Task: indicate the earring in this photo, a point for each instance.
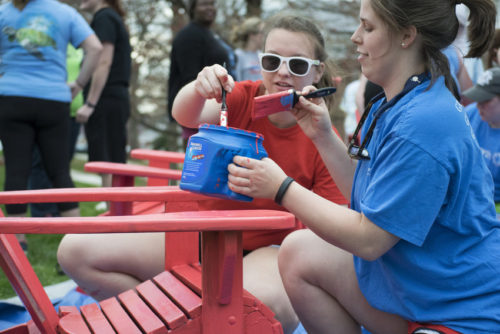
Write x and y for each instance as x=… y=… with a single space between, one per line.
x=403 y=44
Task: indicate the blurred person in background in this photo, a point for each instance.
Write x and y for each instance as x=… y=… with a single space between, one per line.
x=194 y=47
x=107 y=102
x=247 y=37
x=34 y=94
x=38 y=177
x=484 y=116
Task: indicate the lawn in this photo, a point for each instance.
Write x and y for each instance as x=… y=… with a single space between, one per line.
x=43 y=247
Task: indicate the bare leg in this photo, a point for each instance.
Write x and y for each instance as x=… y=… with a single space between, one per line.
x=104 y=265
x=262 y=279
x=322 y=285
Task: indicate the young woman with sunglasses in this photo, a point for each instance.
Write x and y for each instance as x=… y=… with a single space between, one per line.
x=114 y=263
x=418 y=251
x=293 y=57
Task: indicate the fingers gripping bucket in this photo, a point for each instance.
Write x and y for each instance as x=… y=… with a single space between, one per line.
x=208 y=154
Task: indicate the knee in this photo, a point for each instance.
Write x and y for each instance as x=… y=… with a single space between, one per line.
x=71 y=253
x=293 y=253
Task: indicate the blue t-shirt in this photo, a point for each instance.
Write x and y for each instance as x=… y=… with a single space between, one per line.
x=33 y=46
x=427 y=183
x=489 y=141
x=247 y=65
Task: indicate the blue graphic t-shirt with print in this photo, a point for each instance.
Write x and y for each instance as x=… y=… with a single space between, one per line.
x=33 y=46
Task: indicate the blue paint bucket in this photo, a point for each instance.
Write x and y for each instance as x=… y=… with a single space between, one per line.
x=208 y=154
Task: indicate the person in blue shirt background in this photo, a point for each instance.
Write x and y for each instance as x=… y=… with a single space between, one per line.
x=484 y=118
x=34 y=94
x=418 y=251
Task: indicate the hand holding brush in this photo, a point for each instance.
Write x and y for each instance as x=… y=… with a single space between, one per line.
x=284 y=101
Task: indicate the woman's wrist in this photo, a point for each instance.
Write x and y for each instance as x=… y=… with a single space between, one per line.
x=283 y=189
x=79 y=84
x=324 y=138
x=89 y=104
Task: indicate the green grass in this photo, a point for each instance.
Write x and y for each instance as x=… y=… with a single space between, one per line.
x=43 y=247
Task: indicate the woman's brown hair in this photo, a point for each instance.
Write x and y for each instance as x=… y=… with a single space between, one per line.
x=490 y=56
x=117 y=6
x=437 y=24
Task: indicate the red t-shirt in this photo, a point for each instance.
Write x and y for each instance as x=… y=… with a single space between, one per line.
x=290 y=148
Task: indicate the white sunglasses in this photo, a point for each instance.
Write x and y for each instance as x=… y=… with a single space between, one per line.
x=299 y=66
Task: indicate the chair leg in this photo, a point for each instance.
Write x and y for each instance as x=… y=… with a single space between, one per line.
x=26 y=283
x=222 y=283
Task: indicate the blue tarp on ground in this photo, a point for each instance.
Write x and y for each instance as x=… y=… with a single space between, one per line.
x=12 y=314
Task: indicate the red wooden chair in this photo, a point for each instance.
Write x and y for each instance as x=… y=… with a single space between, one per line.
x=186 y=298
x=159 y=172
x=159 y=159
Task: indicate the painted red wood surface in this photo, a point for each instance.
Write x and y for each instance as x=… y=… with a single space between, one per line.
x=225 y=307
x=158 y=161
x=163 y=306
x=26 y=284
x=72 y=324
x=157 y=156
x=161 y=159
x=118 y=317
x=187 y=300
x=95 y=319
x=65 y=309
x=143 y=316
x=189 y=274
x=229 y=313
x=135 y=194
x=229 y=220
x=132 y=170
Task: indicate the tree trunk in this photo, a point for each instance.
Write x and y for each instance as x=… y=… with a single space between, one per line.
x=254 y=8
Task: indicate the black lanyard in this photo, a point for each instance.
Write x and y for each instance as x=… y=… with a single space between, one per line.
x=359 y=152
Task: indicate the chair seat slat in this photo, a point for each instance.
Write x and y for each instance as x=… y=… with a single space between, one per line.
x=143 y=316
x=187 y=300
x=96 y=319
x=161 y=304
x=118 y=317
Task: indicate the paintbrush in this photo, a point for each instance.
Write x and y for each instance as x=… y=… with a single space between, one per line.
x=283 y=101
x=223 y=107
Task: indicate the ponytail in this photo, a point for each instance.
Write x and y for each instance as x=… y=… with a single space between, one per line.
x=481 y=28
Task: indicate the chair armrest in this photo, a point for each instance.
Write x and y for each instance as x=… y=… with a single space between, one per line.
x=216 y=220
x=123 y=174
x=160 y=159
x=155 y=156
x=132 y=170
x=118 y=194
